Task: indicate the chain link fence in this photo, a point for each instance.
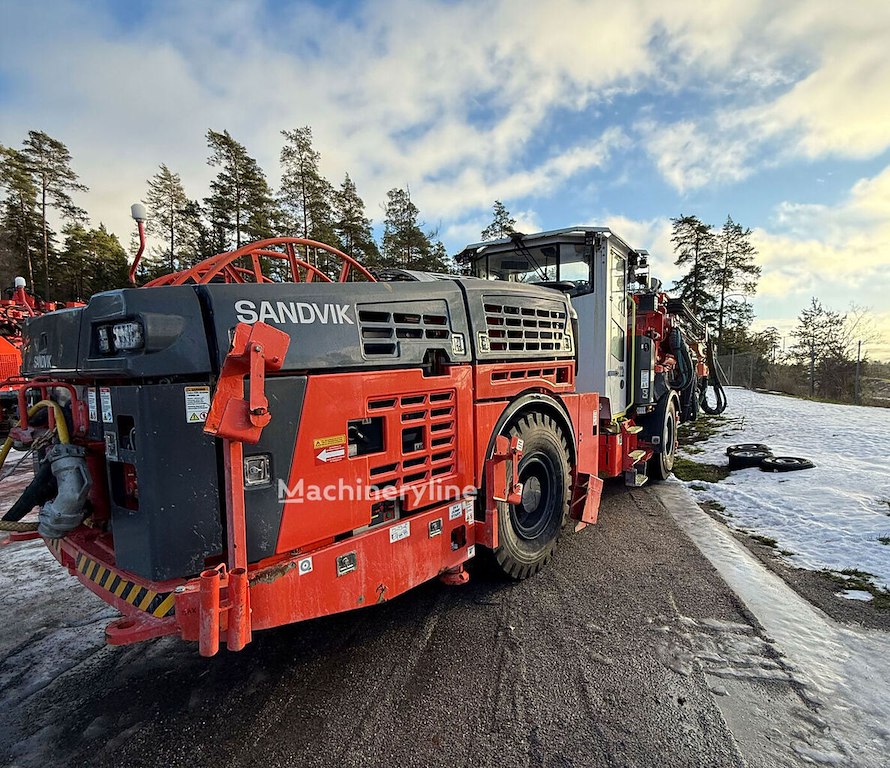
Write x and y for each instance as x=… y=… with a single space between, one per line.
x=750 y=370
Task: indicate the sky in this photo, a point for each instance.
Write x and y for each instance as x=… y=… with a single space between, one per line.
x=616 y=113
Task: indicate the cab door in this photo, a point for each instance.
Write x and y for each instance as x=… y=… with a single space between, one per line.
x=617 y=366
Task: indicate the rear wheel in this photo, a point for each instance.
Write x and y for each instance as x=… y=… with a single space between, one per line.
x=660 y=465
x=528 y=531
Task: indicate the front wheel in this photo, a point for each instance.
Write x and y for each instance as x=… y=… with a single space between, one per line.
x=528 y=531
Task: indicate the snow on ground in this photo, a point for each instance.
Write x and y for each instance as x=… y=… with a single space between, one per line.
x=833 y=516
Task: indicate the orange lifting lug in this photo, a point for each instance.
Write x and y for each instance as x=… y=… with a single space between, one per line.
x=498 y=488
x=256 y=350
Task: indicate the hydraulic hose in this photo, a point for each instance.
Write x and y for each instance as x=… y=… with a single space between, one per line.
x=714 y=381
x=684 y=360
x=9 y=521
x=686 y=387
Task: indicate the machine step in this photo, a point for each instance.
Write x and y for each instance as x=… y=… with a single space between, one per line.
x=634 y=479
x=636 y=455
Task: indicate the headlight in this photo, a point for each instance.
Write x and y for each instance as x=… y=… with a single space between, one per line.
x=128 y=335
x=104 y=340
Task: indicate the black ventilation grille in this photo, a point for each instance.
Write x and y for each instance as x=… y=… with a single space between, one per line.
x=517 y=328
x=382 y=328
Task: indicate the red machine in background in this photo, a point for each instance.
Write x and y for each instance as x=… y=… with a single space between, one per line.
x=18 y=305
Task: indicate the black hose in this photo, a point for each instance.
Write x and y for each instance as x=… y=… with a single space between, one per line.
x=686 y=367
x=684 y=359
x=39 y=491
x=714 y=381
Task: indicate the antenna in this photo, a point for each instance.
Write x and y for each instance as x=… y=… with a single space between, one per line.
x=137 y=211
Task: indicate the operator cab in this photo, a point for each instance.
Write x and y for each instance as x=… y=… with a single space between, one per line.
x=598 y=270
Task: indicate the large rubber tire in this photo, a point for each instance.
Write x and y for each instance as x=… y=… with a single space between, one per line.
x=528 y=532
x=747 y=459
x=785 y=464
x=659 y=467
x=731 y=449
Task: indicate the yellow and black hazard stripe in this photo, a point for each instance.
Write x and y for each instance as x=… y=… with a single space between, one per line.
x=56 y=546
x=158 y=604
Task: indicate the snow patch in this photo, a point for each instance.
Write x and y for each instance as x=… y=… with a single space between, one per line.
x=832 y=516
x=855 y=594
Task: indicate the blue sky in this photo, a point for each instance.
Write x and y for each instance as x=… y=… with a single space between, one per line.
x=611 y=113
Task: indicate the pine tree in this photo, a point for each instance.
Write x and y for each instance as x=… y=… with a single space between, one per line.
x=405 y=245
x=440 y=261
x=822 y=350
x=501 y=224
x=735 y=275
x=241 y=205
x=92 y=261
x=171 y=220
x=202 y=245
x=20 y=223
x=49 y=163
x=352 y=227
x=696 y=248
x=307 y=197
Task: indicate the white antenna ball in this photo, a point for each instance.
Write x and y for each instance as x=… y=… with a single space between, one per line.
x=20 y=282
x=137 y=211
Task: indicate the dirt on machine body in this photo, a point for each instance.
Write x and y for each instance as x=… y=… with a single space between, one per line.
x=266 y=438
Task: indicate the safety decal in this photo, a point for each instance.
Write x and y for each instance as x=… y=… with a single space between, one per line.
x=304 y=566
x=159 y=604
x=91 y=404
x=105 y=402
x=326 y=442
x=329 y=449
x=197 y=404
x=455 y=511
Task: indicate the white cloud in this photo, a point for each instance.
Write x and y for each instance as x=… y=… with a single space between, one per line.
x=690 y=158
x=839 y=254
x=459 y=100
x=819 y=90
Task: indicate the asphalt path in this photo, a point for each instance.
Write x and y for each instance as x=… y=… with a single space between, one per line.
x=596 y=661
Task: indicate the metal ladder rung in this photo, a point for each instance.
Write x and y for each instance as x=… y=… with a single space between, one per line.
x=636 y=455
x=635 y=429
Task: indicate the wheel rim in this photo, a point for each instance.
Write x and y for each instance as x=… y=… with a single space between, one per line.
x=532 y=515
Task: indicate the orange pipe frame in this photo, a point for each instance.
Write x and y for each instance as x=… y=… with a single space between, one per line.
x=225 y=264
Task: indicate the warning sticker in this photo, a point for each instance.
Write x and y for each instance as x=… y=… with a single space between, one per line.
x=330 y=454
x=197 y=403
x=304 y=566
x=399 y=532
x=324 y=442
x=91 y=404
x=105 y=401
x=455 y=511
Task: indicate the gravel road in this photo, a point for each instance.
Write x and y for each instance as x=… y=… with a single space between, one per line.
x=595 y=662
